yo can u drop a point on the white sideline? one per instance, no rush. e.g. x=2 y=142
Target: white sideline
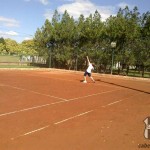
x=112 y=103
x=70 y=118
x=73 y=117
x=45 y=105
x=120 y=100
x=22 y=110
x=59 y=122
x=30 y=132
x=94 y=94
x=18 y=88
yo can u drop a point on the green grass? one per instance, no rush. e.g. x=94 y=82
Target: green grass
x=17 y=66
x=4 y=58
x=133 y=73
x=13 y=62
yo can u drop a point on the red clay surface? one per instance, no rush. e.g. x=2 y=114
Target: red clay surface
x=54 y=110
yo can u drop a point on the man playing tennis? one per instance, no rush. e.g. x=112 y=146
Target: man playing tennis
x=88 y=71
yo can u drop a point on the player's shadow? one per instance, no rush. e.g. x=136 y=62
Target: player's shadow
x=131 y=88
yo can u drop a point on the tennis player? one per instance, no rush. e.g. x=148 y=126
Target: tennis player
x=88 y=71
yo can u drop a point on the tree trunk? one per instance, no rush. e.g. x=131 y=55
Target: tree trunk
x=143 y=71
x=118 y=70
x=127 y=70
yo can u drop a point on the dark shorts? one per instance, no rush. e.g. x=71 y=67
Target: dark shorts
x=86 y=73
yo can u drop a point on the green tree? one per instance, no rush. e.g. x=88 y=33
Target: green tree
x=124 y=29
x=27 y=47
x=11 y=46
x=65 y=49
x=42 y=38
x=2 y=45
x=142 y=49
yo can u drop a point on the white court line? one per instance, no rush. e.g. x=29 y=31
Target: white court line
x=54 y=103
x=120 y=100
x=70 y=118
x=112 y=103
x=17 y=111
x=31 y=108
x=59 y=122
x=30 y=132
x=18 y=88
x=94 y=94
x=67 y=119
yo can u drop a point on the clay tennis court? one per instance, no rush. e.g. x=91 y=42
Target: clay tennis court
x=54 y=110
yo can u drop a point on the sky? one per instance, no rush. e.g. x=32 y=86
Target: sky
x=19 y=19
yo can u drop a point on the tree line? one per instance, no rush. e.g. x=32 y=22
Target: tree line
x=11 y=47
x=65 y=42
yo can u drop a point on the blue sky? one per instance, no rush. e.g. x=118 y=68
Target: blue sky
x=19 y=19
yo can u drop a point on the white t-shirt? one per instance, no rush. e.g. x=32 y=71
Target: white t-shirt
x=90 y=68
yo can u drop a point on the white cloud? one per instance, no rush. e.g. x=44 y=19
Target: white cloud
x=11 y=33
x=28 y=38
x=8 y=22
x=48 y=14
x=68 y=0
x=86 y=7
x=8 y=34
x=44 y=2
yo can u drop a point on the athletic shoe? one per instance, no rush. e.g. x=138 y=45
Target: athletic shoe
x=84 y=81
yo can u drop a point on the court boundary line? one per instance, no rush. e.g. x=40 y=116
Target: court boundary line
x=35 y=92
x=56 y=123
x=30 y=132
x=23 y=110
x=121 y=100
x=71 y=118
x=54 y=103
x=95 y=94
